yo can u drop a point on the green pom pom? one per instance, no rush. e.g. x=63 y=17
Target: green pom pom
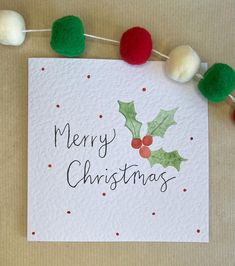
x=67 y=37
x=217 y=83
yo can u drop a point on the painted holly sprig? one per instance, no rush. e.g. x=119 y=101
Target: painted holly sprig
x=157 y=127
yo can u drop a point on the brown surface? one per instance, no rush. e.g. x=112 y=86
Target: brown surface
x=208 y=26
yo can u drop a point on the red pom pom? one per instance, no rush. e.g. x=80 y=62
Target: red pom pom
x=233 y=116
x=136 y=46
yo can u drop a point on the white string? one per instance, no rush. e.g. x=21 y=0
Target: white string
x=198 y=75
x=36 y=30
x=101 y=38
x=98 y=38
x=232 y=98
x=162 y=55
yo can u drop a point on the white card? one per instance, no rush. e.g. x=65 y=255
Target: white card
x=85 y=180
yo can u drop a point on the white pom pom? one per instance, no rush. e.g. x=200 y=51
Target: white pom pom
x=11 y=26
x=183 y=63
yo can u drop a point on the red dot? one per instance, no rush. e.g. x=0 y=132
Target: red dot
x=88 y=76
x=184 y=189
x=198 y=231
x=68 y=212
x=42 y=68
x=58 y=106
x=49 y=165
x=103 y=194
x=144 y=89
x=33 y=233
x=117 y=234
x=100 y=116
x=153 y=213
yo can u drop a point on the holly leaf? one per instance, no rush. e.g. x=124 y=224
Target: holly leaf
x=128 y=110
x=166 y=158
x=161 y=123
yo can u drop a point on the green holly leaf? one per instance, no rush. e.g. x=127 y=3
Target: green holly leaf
x=166 y=158
x=128 y=110
x=161 y=123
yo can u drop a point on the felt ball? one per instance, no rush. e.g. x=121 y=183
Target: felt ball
x=233 y=116
x=11 y=26
x=182 y=64
x=136 y=46
x=217 y=82
x=67 y=36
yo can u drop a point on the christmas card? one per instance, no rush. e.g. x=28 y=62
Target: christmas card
x=116 y=152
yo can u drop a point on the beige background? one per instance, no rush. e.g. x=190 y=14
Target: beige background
x=208 y=26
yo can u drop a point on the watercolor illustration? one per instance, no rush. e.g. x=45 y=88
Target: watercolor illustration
x=156 y=128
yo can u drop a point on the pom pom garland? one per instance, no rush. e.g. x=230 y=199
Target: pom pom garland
x=136 y=46
x=12 y=28
x=233 y=116
x=183 y=64
x=67 y=36
x=217 y=83
x=68 y=39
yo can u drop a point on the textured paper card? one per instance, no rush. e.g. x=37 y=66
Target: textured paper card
x=88 y=180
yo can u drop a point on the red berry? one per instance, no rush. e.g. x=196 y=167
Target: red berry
x=147 y=140
x=145 y=152
x=136 y=143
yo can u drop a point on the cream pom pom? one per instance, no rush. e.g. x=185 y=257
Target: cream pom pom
x=183 y=63
x=11 y=26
